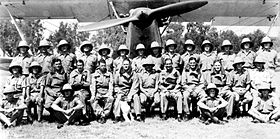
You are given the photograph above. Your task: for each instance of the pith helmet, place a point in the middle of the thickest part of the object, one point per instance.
(265, 87)
(14, 65)
(66, 87)
(266, 40)
(140, 46)
(62, 43)
(123, 48)
(189, 42)
(259, 59)
(246, 40)
(155, 44)
(226, 43)
(86, 43)
(148, 61)
(170, 42)
(212, 86)
(22, 44)
(9, 90)
(104, 47)
(207, 42)
(33, 65)
(44, 43)
(238, 60)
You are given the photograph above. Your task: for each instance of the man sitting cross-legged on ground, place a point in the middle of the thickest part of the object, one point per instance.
(213, 107)
(265, 107)
(11, 108)
(67, 108)
(102, 92)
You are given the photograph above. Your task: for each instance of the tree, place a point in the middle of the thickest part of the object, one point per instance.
(69, 33)
(9, 36)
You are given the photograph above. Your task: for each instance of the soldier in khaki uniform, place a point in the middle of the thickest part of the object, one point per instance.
(246, 52)
(123, 51)
(156, 56)
(34, 94)
(137, 62)
(67, 107)
(104, 52)
(171, 54)
(90, 59)
(68, 59)
(193, 85)
(227, 56)
(212, 106)
(54, 82)
(80, 82)
(11, 107)
(44, 58)
(126, 87)
(23, 58)
(170, 80)
(102, 92)
(207, 56)
(149, 86)
(189, 47)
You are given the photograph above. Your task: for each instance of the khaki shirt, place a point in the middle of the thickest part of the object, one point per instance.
(68, 62)
(227, 60)
(266, 106)
(5, 104)
(102, 83)
(66, 104)
(16, 82)
(248, 57)
(207, 60)
(192, 77)
(80, 80)
(126, 83)
(54, 83)
(176, 59)
(220, 80)
(259, 78)
(240, 79)
(24, 61)
(170, 81)
(90, 62)
(34, 83)
(269, 56)
(45, 61)
(186, 56)
(137, 64)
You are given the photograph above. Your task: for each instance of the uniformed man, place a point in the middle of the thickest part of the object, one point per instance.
(44, 58)
(170, 80)
(192, 85)
(170, 53)
(90, 59)
(68, 59)
(246, 53)
(137, 62)
(207, 56)
(80, 82)
(104, 52)
(213, 106)
(122, 54)
(102, 92)
(149, 86)
(23, 58)
(240, 84)
(34, 94)
(265, 108)
(67, 108)
(11, 107)
(54, 82)
(126, 87)
(156, 51)
(189, 47)
(227, 56)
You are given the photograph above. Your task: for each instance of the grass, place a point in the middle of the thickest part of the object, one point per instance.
(152, 128)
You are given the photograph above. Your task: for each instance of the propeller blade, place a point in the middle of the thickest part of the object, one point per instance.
(176, 8)
(107, 23)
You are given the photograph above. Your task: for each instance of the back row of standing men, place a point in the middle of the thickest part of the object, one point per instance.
(145, 81)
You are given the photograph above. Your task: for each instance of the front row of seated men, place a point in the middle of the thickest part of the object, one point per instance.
(125, 92)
